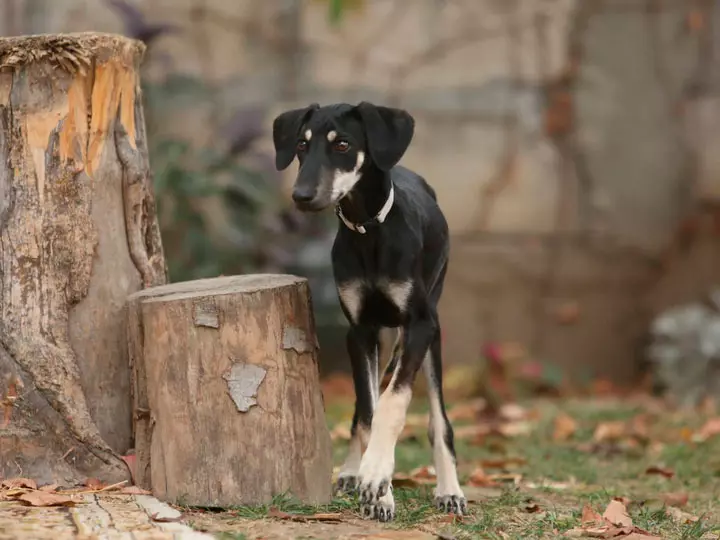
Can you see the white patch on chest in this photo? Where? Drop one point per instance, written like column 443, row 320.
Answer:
column 351, row 295
column 398, row 292
column 308, row 135
column 344, row 181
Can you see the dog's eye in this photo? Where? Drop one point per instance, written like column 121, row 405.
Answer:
column 341, row 146
column 301, row 146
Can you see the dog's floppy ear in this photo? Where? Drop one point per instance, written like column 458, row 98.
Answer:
column 388, row 131
column 286, row 127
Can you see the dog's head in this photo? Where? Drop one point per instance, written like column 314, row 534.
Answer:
column 335, row 145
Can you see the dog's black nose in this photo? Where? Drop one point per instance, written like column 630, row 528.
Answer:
column 302, row 195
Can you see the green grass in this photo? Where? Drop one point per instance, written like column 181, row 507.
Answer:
column 589, row 477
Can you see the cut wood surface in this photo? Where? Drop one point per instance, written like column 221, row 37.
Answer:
column 228, row 406
column 78, row 234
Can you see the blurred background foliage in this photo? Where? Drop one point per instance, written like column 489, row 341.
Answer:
column 221, row 206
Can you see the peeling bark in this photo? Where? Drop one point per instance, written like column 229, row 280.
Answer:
column 240, row 408
column 70, row 251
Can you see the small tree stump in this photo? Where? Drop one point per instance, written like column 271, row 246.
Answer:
column 78, row 234
column 228, row 402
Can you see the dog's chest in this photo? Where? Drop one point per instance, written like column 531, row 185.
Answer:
column 381, row 302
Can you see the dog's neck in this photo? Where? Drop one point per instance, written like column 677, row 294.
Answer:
column 368, row 197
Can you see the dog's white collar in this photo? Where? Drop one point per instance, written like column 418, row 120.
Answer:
column 380, row 217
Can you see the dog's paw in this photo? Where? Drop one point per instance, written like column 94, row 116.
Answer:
column 346, row 484
column 452, row 504
column 382, row 509
column 374, row 478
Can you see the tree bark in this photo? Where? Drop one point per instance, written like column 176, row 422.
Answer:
column 78, row 233
column 227, row 394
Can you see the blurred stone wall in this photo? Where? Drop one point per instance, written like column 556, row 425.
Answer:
column 568, row 140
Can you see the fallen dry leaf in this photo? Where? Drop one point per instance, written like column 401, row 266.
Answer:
column 676, row 499
column 480, row 478
column 590, row 516
column 49, row 488
column 617, row 514
column 514, row 429
column 512, row 412
column 663, row 471
column 678, row 516
column 502, row 463
column 134, row 490
column 43, row 498
column 472, row 431
column 564, row 427
column 426, row 473
column 94, row 483
column 417, row 477
column 468, row 410
column 711, row 428
column 12, row 483
column 531, row 508
column 609, row 431
column 130, row 461
column 279, row 514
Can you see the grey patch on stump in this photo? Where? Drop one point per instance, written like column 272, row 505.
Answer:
column 243, row 381
column 295, row 338
column 206, row 314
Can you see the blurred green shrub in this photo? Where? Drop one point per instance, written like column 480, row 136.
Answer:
column 220, row 205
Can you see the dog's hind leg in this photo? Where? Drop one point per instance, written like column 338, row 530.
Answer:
column 362, row 344
column 449, row 496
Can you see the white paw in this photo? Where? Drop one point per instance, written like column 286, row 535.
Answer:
column 452, row 503
column 383, row 509
column 374, row 476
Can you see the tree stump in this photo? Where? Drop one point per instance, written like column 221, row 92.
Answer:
column 78, row 234
column 226, row 387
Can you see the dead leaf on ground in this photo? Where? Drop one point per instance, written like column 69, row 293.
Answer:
column 590, row 516
column 416, row 477
column 480, row 478
column 49, row 488
column 12, row 483
column 512, row 412
column 94, row 483
column 711, row 428
column 43, row 498
column 134, row 490
column 279, row 514
column 663, row 471
column 564, row 427
column 503, row 463
column 468, row 410
column 473, row 431
column 609, row 431
column 678, row 516
column 617, row 514
column 676, row 499
column 531, row 507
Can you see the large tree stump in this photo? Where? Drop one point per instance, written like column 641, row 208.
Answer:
column 78, row 234
column 227, row 395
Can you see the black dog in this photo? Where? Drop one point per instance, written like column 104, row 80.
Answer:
column 389, row 261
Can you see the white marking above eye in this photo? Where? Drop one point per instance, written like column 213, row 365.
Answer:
column 308, row 135
column 331, row 136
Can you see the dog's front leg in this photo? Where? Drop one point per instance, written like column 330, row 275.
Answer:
column 378, row 462
column 362, row 345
